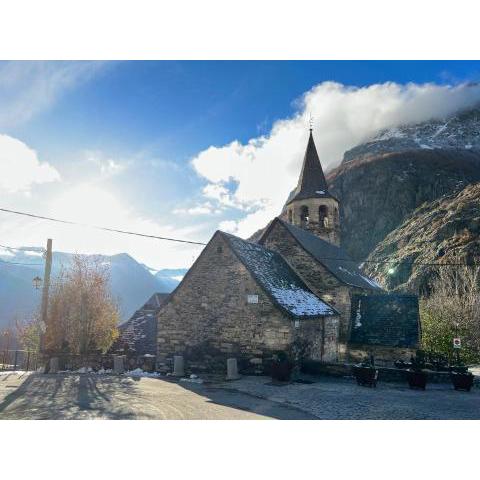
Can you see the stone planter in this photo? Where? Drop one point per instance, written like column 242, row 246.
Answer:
column 462, row 381
column 366, row 376
column 417, row 379
column 281, row 371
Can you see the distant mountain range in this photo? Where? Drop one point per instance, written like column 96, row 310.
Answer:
column 132, row 283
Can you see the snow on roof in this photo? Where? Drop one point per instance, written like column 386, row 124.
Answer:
column 274, row 274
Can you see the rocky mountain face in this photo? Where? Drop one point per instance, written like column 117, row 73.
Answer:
column 377, row 193
column 132, row 283
column 412, row 193
column 445, row 231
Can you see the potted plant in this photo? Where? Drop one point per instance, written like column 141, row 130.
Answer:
column 365, row 373
column 416, row 375
column 281, row 367
column 461, row 378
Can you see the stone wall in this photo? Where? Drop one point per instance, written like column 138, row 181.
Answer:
column 323, row 283
column 384, row 356
column 208, row 318
column 319, row 338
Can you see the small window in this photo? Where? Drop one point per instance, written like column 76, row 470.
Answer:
column 323, row 215
column 290, row 216
column 297, row 323
column 252, row 298
column 304, row 218
column 219, row 249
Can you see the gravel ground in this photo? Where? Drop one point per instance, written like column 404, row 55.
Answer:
column 343, row 399
column 90, row 396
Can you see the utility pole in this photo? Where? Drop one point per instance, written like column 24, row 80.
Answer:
column 46, row 286
column 83, row 320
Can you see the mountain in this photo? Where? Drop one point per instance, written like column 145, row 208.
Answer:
column 392, row 186
column 377, row 193
column 457, row 132
column 446, row 230
column 132, row 283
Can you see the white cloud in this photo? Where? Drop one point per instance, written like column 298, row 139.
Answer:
column 229, row 226
column 205, row 208
column 26, row 88
column 266, row 168
column 20, row 167
column 107, row 166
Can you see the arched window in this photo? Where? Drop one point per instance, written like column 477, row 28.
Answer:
column 290, row 216
column 322, row 215
column 304, row 218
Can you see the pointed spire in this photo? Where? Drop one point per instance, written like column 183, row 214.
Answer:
column 312, row 181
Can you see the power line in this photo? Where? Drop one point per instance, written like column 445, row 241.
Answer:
column 21, row 263
column 170, row 239
column 125, row 232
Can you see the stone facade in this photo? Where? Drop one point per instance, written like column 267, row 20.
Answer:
column 208, row 318
column 321, row 281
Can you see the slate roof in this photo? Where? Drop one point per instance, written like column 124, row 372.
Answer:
column 333, row 258
column 278, row 280
column 311, row 183
column 388, row 320
column 140, row 331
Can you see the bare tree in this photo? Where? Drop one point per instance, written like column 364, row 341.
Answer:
column 453, row 309
column 83, row 314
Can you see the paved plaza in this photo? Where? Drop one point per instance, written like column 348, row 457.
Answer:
column 91, row 396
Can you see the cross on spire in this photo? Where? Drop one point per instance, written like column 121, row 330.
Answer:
column 310, row 122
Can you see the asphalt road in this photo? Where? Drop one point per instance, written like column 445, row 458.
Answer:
column 80, row 396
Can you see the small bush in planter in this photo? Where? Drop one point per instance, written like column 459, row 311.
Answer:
column 461, row 378
column 281, row 368
column 417, row 377
column 365, row 373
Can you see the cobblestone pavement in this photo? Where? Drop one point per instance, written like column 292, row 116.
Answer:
column 89, row 396
column 338, row 399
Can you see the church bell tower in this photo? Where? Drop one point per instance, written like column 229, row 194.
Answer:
column 310, row 205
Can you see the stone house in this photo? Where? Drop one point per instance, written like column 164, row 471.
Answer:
column 139, row 332
column 242, row 300
column 294, row 288
column 324, row 267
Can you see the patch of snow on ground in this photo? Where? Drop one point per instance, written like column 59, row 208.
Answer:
column 13, row 372
column 191, row 380
column 138, row 372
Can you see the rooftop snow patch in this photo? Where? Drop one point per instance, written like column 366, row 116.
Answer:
column 282, row 284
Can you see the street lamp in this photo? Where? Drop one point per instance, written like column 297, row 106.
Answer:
column 37, row 282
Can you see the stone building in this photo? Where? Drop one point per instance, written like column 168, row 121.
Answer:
column 293, row 289
column 242, row 300
column 324, row 267
column 139, row 332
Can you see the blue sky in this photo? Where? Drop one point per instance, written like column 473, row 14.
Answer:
column 183, row 148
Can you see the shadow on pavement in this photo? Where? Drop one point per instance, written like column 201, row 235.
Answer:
column 70, row 397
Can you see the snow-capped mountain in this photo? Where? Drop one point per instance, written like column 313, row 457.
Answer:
column 460, row 132
column 132, row 283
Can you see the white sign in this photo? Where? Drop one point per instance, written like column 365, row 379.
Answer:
column 457, row 343
column 252, row 298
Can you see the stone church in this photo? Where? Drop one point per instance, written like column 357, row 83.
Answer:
column 294, row 289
